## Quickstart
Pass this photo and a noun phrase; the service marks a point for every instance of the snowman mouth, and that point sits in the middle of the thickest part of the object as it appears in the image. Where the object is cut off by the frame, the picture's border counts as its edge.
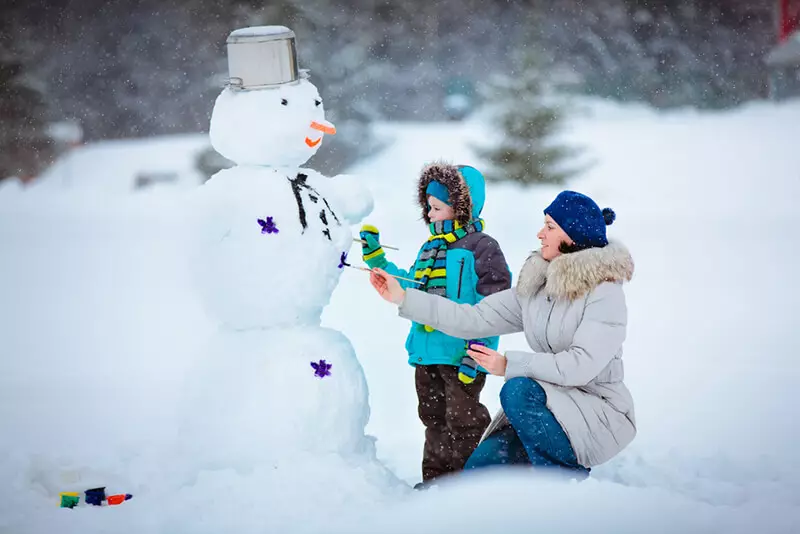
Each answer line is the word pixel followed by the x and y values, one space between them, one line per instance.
pixel 312 143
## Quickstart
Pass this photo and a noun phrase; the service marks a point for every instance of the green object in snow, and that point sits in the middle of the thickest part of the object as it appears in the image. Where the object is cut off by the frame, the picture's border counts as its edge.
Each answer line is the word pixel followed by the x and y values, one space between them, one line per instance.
pixel 69 499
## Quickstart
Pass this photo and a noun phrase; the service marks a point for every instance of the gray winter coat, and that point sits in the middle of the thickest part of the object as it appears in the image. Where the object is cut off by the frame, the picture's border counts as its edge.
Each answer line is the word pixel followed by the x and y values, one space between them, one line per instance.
pixel 573 313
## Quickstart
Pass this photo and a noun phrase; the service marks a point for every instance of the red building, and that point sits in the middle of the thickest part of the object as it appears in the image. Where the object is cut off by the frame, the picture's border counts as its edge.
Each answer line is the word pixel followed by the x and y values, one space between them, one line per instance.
pixel 784 59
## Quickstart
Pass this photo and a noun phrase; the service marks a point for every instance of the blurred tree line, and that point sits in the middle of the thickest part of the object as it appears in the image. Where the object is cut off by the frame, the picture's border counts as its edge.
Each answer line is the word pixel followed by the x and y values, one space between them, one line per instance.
pixel 129 68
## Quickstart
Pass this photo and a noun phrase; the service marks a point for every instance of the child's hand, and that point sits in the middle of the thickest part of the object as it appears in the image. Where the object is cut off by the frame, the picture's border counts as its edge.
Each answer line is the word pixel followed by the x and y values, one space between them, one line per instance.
pixel 387 287
pixel 371 249
pixel 489 359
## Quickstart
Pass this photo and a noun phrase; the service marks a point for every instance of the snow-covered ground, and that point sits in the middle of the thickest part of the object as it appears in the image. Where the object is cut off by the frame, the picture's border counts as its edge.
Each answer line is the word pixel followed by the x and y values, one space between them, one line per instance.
pixel 99 323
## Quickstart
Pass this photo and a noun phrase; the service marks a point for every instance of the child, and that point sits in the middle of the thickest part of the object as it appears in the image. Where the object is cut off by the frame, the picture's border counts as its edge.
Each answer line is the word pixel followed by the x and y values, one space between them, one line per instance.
pixel 463 264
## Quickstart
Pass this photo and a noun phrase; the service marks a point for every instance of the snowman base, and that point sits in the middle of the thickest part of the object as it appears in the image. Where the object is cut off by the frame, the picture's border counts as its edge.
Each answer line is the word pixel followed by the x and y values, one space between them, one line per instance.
pixel 254 397
pixel 302 493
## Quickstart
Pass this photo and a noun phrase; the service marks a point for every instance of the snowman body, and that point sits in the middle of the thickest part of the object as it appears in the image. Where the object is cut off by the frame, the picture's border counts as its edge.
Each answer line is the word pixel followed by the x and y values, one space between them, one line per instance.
pixel 270 235
pixel 272 245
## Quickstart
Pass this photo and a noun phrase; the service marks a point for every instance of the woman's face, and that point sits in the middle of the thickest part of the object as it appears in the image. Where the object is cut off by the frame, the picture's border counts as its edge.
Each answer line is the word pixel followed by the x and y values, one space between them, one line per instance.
pixel 439 210
pixel 551 236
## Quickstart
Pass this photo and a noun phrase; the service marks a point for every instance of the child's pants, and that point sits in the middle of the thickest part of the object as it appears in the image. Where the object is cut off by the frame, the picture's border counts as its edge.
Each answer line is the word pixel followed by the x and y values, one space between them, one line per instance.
pixel 453 416
pixel 534 436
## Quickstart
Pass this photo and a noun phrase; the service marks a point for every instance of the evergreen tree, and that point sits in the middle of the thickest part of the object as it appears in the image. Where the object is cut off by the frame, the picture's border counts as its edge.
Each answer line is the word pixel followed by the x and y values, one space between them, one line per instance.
pixel 25 147
pixel 528 118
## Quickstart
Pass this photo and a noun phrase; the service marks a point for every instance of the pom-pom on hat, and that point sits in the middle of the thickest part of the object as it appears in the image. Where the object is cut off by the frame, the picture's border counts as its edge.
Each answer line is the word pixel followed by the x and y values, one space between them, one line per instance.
pixel 581 218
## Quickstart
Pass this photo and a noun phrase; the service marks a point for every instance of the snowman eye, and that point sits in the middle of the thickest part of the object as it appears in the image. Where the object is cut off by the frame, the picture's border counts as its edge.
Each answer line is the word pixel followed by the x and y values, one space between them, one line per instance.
pixel 317 102
pixel 284 102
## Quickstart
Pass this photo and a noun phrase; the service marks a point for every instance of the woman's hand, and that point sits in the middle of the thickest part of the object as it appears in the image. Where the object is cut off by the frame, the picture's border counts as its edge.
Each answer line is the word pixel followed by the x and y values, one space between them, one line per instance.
pixel 489 359
pixel 387 286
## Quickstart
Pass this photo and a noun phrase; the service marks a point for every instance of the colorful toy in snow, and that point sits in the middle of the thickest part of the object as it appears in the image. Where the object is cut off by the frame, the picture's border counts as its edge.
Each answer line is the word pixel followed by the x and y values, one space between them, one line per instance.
pixel 113 500
pixel 69 499
pixel 95 496
pixel 468 370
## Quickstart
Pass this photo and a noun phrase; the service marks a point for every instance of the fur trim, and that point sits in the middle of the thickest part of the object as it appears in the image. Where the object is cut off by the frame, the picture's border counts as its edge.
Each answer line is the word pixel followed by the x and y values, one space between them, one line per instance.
pixel 449 177
pixel 573 275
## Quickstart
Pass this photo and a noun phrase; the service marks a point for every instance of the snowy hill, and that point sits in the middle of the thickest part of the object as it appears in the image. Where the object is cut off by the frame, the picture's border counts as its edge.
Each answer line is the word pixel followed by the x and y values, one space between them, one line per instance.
pixel 125 166
pixel 99 323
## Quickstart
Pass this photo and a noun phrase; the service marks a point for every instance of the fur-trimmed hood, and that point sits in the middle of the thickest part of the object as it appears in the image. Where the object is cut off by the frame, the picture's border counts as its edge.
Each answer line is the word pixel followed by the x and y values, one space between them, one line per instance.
pixel 572 275
pixel 465 184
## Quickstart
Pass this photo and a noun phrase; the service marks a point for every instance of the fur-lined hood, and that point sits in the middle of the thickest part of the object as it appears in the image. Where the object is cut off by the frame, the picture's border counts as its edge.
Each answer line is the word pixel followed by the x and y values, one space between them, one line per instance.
pixel 572 275
pixel 465 184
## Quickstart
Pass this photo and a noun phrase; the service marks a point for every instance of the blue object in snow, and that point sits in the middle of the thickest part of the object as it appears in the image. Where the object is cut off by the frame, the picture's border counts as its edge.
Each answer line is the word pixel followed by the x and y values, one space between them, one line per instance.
pixel 95 496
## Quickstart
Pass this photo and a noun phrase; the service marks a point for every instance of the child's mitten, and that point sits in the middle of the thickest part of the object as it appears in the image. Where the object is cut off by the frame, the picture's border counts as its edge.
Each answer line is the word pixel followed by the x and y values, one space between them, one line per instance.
pixel 468 370
pixel 371 249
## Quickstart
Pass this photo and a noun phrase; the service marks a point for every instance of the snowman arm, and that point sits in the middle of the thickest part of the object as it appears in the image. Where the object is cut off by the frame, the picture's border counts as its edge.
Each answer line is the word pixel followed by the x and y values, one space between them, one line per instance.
pixel 350 200
pixel 352 196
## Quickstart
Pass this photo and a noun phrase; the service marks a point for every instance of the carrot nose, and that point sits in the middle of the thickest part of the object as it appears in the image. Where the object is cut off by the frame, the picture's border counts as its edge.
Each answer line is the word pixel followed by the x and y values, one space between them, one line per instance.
pixel 324 127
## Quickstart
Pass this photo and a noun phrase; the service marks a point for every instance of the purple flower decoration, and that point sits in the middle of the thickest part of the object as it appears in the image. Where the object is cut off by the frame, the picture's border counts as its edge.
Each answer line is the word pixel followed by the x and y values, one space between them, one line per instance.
pixel 322 369
pixel 268 226
pixel 343 261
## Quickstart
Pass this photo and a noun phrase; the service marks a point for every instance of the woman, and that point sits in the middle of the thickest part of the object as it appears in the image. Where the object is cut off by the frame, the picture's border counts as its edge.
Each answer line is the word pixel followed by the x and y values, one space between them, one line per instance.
pixel 564 404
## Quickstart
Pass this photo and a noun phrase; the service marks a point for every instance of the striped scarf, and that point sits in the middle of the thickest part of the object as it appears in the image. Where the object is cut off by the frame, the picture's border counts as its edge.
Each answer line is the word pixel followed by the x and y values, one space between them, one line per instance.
pixel 430 267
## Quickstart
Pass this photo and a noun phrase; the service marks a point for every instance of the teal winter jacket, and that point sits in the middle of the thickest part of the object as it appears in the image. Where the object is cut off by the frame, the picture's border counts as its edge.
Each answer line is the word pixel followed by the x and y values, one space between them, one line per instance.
pixel 475 265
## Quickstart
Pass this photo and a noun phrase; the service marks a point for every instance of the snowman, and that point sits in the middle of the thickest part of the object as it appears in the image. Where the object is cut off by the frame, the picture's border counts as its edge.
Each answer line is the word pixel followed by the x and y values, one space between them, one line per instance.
pixel 268 241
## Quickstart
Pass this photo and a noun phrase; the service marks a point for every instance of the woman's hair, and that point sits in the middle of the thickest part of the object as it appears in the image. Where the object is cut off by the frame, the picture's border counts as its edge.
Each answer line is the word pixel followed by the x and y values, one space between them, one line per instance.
pixel 564 248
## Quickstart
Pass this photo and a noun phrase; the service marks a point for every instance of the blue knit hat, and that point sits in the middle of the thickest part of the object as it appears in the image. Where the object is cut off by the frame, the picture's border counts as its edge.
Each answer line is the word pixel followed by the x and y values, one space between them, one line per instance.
pixel 581 218
pixel 438 190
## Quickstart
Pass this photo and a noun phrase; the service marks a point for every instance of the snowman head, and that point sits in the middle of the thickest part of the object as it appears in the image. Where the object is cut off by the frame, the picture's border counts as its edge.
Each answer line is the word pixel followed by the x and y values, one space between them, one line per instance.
pixel 281 126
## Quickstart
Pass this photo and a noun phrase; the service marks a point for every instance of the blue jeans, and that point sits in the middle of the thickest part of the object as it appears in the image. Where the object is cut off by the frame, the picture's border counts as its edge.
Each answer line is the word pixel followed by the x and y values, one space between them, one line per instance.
pixel 534 436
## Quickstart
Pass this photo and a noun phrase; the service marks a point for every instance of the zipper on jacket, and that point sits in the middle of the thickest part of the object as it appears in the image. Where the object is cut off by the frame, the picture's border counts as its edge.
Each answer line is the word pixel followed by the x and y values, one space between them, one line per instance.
pixel 460 275
pixel 547 324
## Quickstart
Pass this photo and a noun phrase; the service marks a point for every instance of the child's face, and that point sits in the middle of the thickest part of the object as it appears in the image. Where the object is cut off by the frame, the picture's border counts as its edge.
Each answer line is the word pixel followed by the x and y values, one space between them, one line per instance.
pixel 439 210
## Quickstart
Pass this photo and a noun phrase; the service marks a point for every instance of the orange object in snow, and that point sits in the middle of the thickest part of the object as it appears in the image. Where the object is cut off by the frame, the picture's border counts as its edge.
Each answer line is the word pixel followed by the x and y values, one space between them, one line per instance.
pixel 118 499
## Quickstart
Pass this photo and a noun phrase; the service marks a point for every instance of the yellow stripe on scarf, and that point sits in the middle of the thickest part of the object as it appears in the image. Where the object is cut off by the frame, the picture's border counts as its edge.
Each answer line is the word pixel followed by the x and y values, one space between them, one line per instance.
pixel 448 236
pixel 431 273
